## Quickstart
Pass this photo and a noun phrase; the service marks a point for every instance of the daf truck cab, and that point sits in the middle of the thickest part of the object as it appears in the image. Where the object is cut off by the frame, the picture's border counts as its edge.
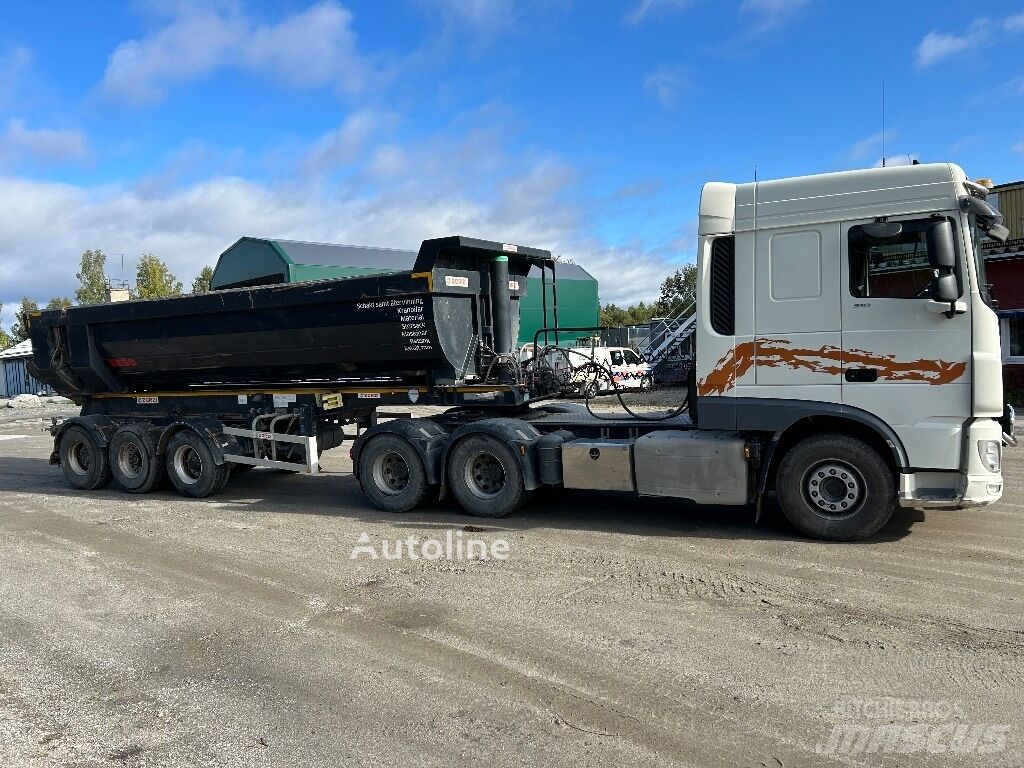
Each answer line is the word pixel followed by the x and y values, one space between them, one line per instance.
pixel 855 304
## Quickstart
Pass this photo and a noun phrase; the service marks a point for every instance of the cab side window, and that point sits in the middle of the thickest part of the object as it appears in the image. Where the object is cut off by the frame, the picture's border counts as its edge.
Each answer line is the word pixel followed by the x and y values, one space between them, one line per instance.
pixel 891 268
pixel 616 356
pixel 631 358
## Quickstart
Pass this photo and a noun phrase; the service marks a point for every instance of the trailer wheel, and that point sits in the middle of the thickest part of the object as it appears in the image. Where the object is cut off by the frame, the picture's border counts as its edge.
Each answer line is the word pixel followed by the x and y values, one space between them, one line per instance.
pixel 391 473
pixel 485 477
pixel 134 465
pixel 83 461
pixel 836 487
pixel 191 468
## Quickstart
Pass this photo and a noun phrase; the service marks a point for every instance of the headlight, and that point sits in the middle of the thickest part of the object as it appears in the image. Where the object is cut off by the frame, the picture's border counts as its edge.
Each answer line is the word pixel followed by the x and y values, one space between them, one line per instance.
pixel 989 452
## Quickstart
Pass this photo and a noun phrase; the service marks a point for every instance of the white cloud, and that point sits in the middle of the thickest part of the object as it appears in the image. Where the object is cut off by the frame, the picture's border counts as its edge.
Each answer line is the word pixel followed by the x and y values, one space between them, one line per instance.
pixel 316 47
pixel 665 84
pixel 1014 23
pixel 1012 87
pixel 387 162
pixel 982 32
pixel 767 15
pixel 21 145
pixel 481 15
pixel 140 71
pixel 467 182
pixel 14 61
pixel 313 48
pixel 344 145
pixel 645 9
pixel 937 46
pixel 1018 147
pixel 869 146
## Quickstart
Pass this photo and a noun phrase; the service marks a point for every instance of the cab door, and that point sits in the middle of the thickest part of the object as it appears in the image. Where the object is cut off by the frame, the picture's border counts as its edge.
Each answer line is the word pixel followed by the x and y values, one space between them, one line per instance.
pixel 903 361
pixel 797 318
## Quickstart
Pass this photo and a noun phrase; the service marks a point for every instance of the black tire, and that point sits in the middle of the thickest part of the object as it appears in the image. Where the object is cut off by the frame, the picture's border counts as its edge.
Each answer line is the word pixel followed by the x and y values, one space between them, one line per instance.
pixel 191 467
pixel 591 390
pixel 391 473
pixel 133 461
pixel 228 468
pixel 82 460
pixel 836 487
pixel 646 382
pixel 485 477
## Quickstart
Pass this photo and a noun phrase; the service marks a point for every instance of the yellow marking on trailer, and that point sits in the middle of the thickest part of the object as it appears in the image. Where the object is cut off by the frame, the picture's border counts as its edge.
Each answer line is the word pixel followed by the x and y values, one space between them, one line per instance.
pixel 430 279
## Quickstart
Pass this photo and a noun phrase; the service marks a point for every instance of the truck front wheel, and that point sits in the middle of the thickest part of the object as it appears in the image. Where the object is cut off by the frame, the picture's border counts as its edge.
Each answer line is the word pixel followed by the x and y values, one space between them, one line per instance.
pixel 836 487
pixel 391 473
pixel 485 477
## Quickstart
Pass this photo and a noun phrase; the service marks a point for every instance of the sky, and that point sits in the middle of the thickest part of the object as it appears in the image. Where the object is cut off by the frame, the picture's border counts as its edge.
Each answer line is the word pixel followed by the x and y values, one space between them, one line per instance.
pixel 585 127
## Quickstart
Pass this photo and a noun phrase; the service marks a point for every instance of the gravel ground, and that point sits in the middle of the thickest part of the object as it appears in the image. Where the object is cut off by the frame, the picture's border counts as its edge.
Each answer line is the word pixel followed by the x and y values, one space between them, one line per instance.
pixel 237 631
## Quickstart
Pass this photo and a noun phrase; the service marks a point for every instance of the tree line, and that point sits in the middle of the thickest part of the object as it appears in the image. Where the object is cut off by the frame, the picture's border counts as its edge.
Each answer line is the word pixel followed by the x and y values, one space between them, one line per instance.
pixel 677 295
pixel 153 280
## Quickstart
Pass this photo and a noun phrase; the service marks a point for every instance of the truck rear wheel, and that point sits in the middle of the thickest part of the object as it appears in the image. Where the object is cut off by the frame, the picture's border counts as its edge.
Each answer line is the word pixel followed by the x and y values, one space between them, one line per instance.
pixel 485 477
pixel 82 460
pixel 391 473
pixel 191 467
pixel 836 487
pixel 135 466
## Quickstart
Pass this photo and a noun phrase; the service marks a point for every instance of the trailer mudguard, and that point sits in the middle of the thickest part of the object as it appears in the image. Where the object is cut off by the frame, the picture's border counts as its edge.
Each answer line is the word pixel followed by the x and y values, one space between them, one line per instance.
pixel 209 429
pixel 100 427
pixel 426 436
pixel 521 436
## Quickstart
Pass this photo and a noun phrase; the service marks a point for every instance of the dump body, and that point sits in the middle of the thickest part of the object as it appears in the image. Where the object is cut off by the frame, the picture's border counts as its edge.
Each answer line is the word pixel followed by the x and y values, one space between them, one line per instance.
pixel 432 323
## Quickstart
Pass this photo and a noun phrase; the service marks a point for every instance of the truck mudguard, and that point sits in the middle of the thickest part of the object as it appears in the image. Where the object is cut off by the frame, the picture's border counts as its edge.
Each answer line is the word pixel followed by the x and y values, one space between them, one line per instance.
pixel 521 436
pixel 424 435
pixel 206 427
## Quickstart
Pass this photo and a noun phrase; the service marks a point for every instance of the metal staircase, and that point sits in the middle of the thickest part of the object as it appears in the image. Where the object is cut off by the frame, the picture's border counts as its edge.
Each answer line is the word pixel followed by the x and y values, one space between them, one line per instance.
pixel 665 339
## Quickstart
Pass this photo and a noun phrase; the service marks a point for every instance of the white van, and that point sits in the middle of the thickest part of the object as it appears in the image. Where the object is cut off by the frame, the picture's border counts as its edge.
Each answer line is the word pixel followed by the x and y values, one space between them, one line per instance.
pixel 628 370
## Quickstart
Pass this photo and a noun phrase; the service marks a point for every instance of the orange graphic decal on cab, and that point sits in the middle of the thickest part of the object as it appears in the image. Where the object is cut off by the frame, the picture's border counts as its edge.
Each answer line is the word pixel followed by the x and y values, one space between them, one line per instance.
pixel 778 353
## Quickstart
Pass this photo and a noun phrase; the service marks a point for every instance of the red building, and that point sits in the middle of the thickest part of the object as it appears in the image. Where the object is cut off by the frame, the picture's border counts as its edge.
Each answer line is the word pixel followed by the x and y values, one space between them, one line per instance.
pixel 1004 267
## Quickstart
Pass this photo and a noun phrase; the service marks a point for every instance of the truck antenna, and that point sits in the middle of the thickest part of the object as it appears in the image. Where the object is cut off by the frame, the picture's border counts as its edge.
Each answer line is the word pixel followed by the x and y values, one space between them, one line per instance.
pixel 883 120
pixel 755 196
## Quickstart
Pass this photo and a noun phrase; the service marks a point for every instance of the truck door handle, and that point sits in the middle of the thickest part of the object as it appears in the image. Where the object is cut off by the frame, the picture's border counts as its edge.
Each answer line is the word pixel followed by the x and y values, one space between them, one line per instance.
pixel 862 374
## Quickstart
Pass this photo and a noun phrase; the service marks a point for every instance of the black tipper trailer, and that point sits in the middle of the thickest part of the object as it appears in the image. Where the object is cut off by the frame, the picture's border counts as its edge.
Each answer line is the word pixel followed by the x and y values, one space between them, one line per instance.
pixel 193 388
pixel 189 388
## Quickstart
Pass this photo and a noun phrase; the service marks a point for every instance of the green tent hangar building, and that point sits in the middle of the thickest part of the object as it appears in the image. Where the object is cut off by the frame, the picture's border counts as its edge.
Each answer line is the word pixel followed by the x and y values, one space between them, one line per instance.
pixel 260 261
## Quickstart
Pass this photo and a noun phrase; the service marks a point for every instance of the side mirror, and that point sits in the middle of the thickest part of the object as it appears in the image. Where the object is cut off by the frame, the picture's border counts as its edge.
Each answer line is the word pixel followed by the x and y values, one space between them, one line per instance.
pixel 944 288
pixel 941 251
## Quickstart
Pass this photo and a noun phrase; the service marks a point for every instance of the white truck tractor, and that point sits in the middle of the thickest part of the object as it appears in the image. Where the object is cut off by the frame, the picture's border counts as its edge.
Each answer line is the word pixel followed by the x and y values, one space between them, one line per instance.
pixel 848 360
